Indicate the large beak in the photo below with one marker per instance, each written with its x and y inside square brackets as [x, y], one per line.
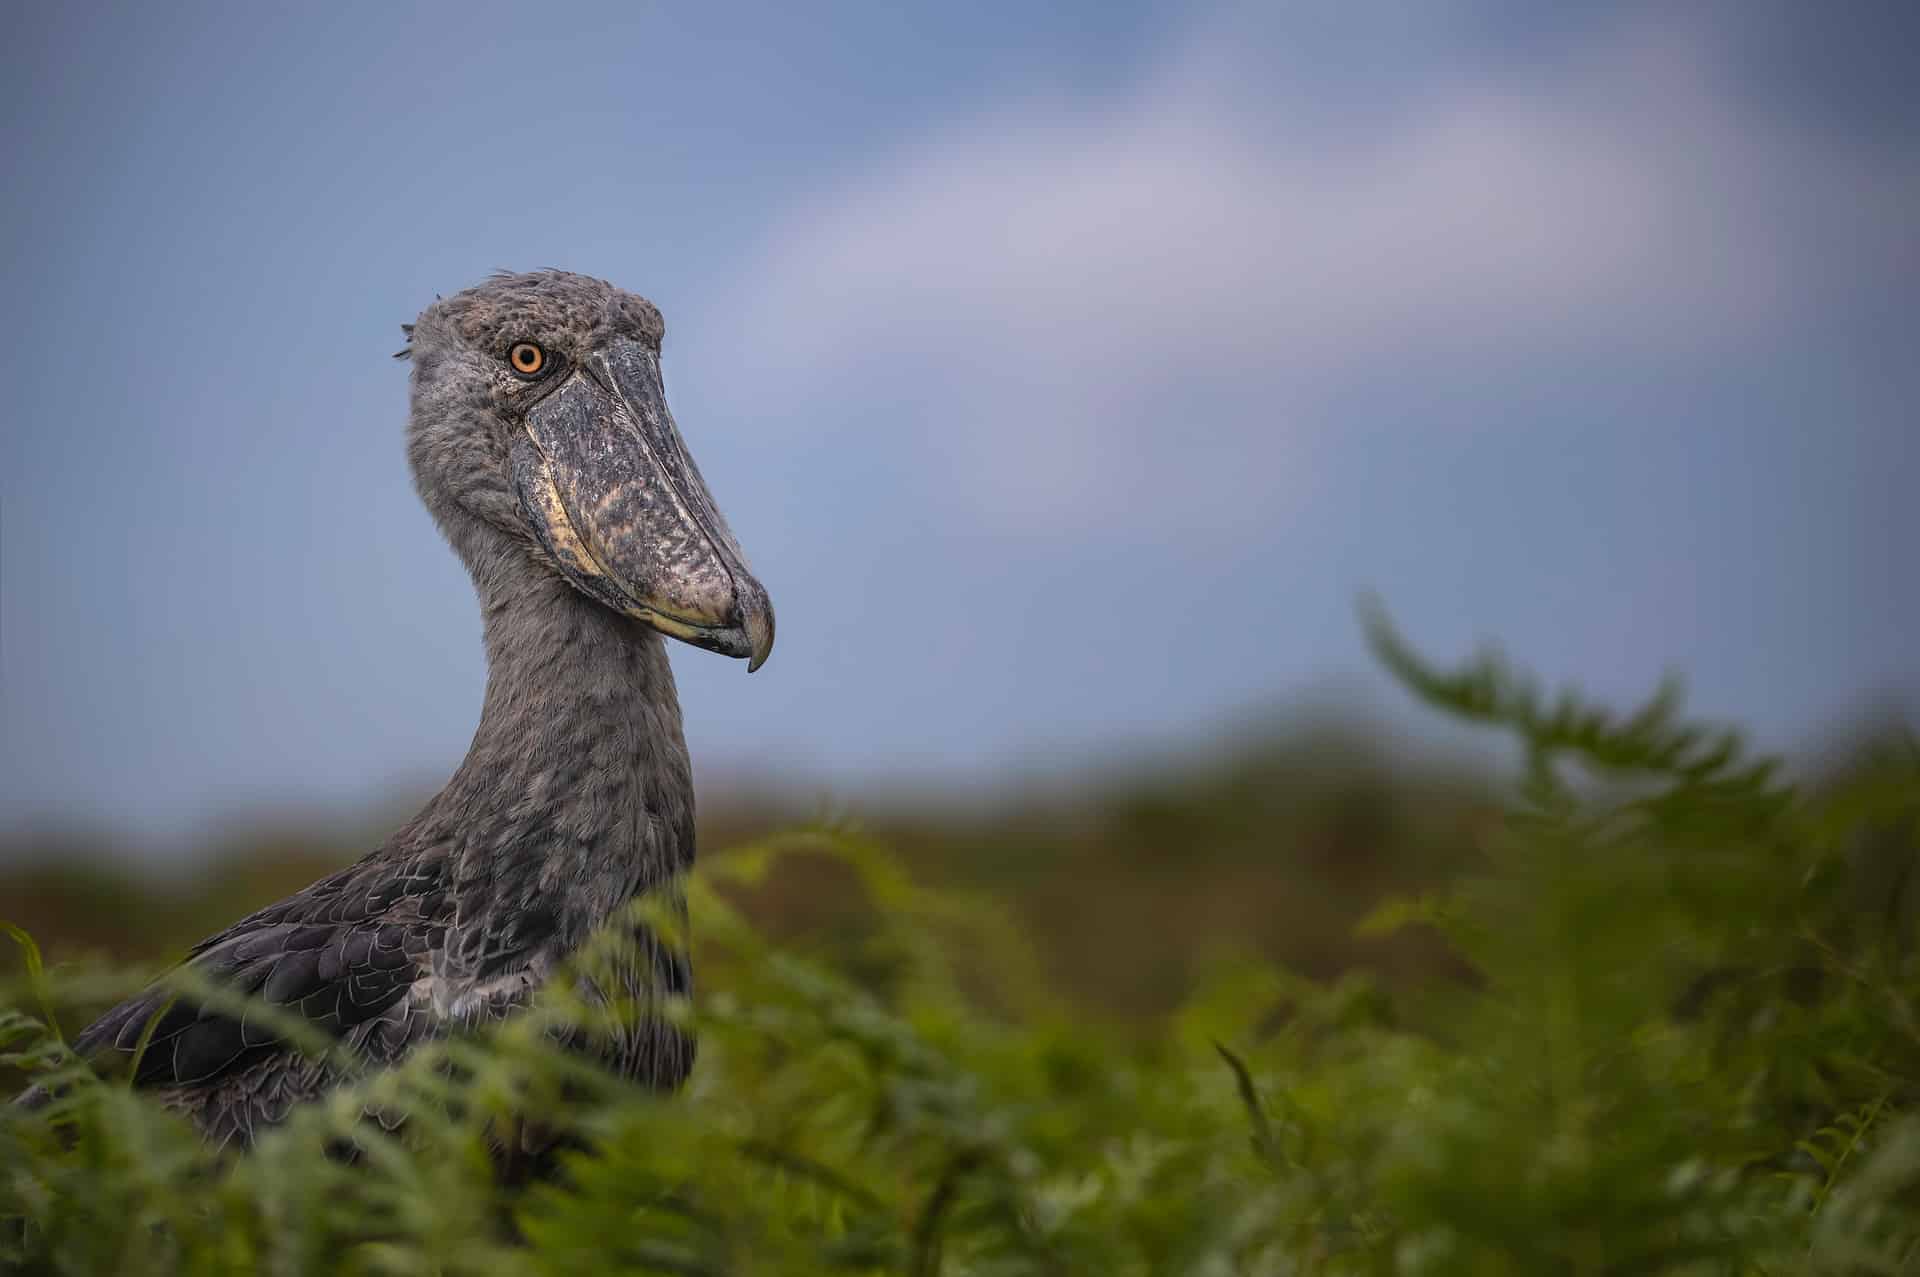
[609, 489]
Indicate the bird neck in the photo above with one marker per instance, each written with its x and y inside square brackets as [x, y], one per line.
[577, 792]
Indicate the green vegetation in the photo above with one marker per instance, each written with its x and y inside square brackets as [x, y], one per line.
[1654, 1010]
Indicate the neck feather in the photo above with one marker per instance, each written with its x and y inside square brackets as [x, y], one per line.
[577, 792]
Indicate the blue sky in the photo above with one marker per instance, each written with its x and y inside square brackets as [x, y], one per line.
[1065, 375]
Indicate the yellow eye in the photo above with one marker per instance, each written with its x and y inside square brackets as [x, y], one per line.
[527, 358]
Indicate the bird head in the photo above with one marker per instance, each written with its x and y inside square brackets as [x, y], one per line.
[539, 412]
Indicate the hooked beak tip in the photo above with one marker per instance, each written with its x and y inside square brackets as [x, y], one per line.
[758, 624]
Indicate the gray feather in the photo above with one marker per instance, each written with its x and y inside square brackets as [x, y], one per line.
[575, 796]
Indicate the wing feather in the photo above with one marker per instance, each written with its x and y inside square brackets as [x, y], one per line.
[340, 954]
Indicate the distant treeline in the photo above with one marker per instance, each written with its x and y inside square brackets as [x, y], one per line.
[1275, 842]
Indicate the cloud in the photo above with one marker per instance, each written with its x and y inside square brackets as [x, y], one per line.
[1147, 304]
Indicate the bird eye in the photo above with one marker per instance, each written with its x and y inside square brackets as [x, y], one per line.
[527, 359]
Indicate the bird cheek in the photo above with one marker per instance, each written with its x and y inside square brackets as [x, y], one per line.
[503, 394]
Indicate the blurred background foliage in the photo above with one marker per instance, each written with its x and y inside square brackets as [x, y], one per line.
[1277, 841]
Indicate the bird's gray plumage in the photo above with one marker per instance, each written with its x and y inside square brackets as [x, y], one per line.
[576, 795]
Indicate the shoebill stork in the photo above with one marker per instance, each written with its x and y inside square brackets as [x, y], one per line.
[541, 442]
